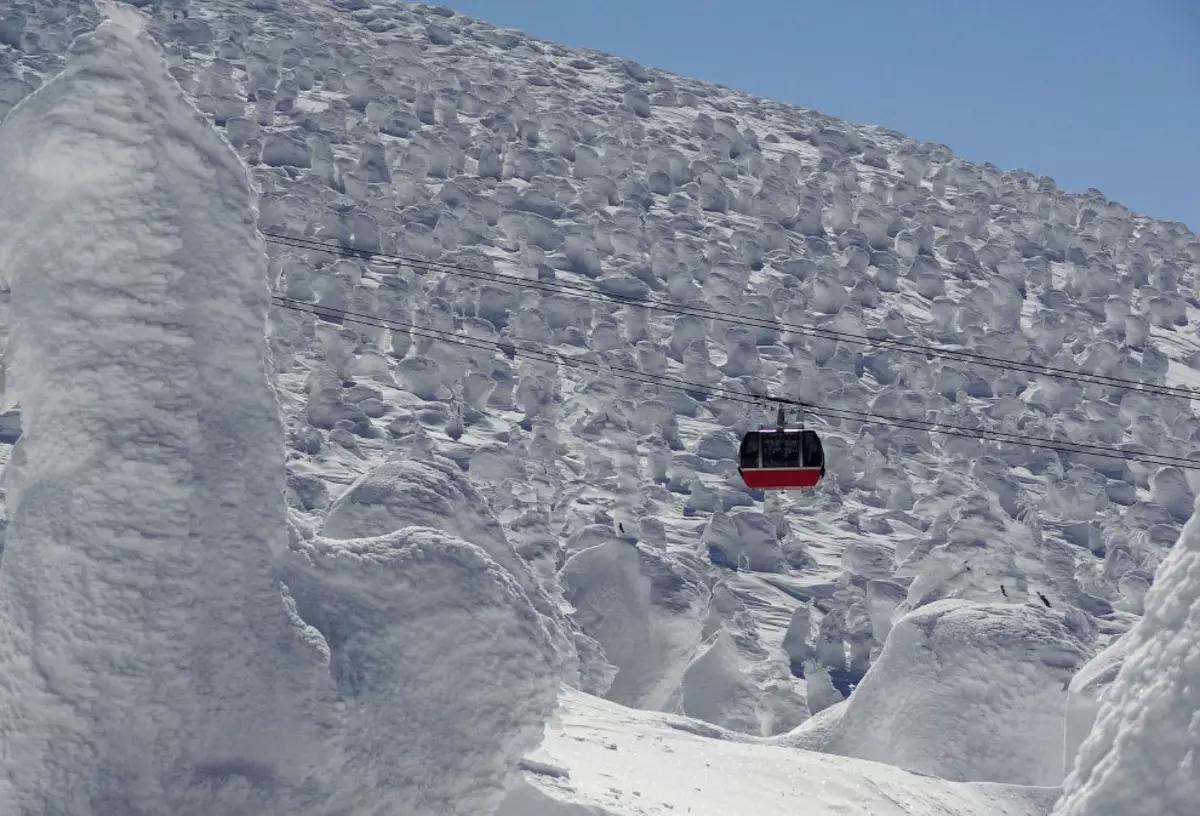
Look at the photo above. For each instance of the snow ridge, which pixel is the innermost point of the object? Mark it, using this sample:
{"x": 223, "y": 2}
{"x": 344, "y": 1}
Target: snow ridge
{"x": 928, "y": 704}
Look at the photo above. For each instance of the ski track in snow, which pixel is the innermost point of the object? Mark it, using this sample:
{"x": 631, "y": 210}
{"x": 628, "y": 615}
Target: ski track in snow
{"x": 416, "y": 131}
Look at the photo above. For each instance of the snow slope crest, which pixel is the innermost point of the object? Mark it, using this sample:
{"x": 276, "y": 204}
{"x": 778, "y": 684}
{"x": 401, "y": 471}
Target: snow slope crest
{"x": 604, "y": 760}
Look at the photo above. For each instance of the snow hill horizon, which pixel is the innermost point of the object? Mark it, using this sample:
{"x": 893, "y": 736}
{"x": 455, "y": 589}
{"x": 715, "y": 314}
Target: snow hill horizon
{"x": 373, "y": 379}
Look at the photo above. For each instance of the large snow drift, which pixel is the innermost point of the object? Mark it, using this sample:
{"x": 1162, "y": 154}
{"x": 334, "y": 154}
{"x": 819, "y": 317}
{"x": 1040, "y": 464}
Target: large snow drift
{"x": 436, "y": 493}
{"x": 965, "y": 691}
{"x": 646, "y": 611}
{"x": 153, "y": 662}
{"x": 445, "y": 669}
{"x": 1142, "y": 757}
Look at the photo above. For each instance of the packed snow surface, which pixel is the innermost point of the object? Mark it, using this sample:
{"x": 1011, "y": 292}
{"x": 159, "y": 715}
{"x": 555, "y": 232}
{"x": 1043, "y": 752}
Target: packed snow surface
{"x": 474, "y": 518}
{"x": 600, "y": 759}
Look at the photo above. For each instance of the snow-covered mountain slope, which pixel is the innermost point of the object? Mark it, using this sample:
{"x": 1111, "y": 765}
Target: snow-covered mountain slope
{"x": 513, "y": 194}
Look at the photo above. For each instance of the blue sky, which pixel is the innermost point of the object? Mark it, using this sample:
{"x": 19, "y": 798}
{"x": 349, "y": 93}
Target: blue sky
{"x": 1094, "y": 93}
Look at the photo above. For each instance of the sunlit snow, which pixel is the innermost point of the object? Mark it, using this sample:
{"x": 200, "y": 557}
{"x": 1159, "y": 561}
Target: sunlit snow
{"x": 340, "y": 553}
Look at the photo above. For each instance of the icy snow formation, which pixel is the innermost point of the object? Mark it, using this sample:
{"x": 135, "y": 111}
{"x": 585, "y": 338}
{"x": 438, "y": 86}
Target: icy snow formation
{"x": 933, "y": 703}
{"x": 1086, "y": 692}
{"x": 138, "y": 600}
{"x": 407, "y": 493}
{"x": 154, "y": 663}
{"x": 647, "y": 613}
{"x": 445, "y": 670}
{"x": 413, "y": 130}
{"x": 1141, "y": 756}
{"x": 715, "y": 689}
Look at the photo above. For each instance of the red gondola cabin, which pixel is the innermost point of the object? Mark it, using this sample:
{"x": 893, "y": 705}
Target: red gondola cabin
{"x": 781, "y": 459}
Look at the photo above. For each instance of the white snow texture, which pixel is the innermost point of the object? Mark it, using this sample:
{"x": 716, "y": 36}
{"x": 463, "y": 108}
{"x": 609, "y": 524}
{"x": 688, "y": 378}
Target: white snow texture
{"x": 1143, "y": 754}
{"x": 342, "y": 558}
{"x": 152, "y": 663}
{"x": 930, "y": 703}
{"x": 604, "y": 760}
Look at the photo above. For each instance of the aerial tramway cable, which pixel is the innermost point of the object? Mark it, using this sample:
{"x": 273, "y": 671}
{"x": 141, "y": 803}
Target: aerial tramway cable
{"x": 868, "y": 417}
{"x": 586, "y": 293}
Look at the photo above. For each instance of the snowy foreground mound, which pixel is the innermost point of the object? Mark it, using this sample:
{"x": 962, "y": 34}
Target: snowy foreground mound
{"x": 153, "y": 662}
{"x": 445, "y": 669}
{"x": 964, "y": 691}
{"x": 600, "y": 759}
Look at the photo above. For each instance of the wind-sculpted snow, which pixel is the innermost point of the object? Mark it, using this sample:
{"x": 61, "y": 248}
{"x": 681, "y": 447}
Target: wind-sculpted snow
{"x": 715, "y": 689}
{"x": 444, "y": 671}
{"x": 151, "y": 665}
{"x": 745, "y": 539}
{"x": 1140, "y": 756}
{"x": 413, "y": 130}
{"x": 733, "y": 681}
{"x": 407, "y": 493}
{"x": 956, "y": 556}
{"x": 966, "y": 691}
{"x": 154, "y": 662}
{"x": 646, "y": 612}
{"x": 1086, "y": 691}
